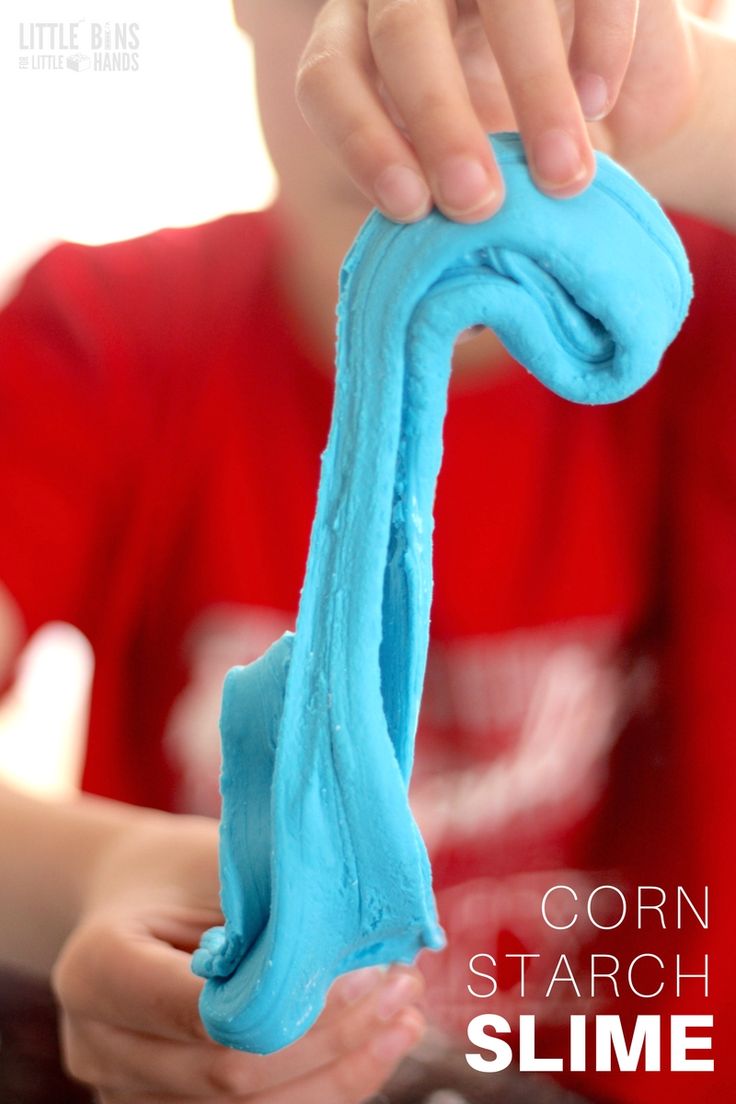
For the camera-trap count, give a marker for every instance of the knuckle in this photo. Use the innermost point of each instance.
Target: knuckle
(231, 1073)
(542, 89)
(441, 108)
(81, 959)
(341, 1039)
(83, 1051)
(60, 977)
(354, 140)
(316, 70)
(617, 20)
(66, 977)
(538, 82)
(393, 19)
(360, 145)
(354, 1078)
(419, 980)
(76, 1057)
(604, 35)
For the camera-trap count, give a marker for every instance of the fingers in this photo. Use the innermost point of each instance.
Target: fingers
(527, 42)
(350, 1079)
(413, 47)
(354, 1017)
(601, 48)
(407, 43)
(360, 1073)
(113, 1039)
(115, 1060)
(337, 94)
(361, 1004)
(421, 138)
(426, 139)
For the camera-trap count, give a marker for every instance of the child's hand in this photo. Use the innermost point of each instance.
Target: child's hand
(129, 1000)
(404, 91)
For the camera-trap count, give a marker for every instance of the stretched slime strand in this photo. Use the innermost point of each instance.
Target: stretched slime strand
(322, 866)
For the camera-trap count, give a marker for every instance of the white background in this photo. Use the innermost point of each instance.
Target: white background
(96, 156)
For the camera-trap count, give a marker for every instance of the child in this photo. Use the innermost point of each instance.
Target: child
(164, 404)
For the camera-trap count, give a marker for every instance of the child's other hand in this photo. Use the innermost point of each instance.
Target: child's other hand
(404, 91)
(130, 1023)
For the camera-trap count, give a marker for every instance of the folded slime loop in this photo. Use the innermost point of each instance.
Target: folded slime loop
(323, 869)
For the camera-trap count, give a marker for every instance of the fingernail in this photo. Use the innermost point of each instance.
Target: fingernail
(398, 992)
(592, 92)
(557, 160)
(463, 185)
(359, 983)
(390, 1045)
(402, 193)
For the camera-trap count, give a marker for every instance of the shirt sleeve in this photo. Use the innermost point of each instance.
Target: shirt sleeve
(54, 458)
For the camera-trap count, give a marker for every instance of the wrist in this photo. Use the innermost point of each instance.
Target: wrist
(50, 852)
(159, 858)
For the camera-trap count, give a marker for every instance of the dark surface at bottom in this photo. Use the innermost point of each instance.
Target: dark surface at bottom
(30, 1067)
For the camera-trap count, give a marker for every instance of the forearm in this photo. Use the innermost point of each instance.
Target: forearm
(49, 852)
(695, 170)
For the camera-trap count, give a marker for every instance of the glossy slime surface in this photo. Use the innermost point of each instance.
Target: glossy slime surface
(323, 869)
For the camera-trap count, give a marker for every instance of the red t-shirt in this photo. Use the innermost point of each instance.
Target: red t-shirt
(161, 422)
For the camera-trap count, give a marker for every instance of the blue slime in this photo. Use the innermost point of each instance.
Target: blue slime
(323, 868)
